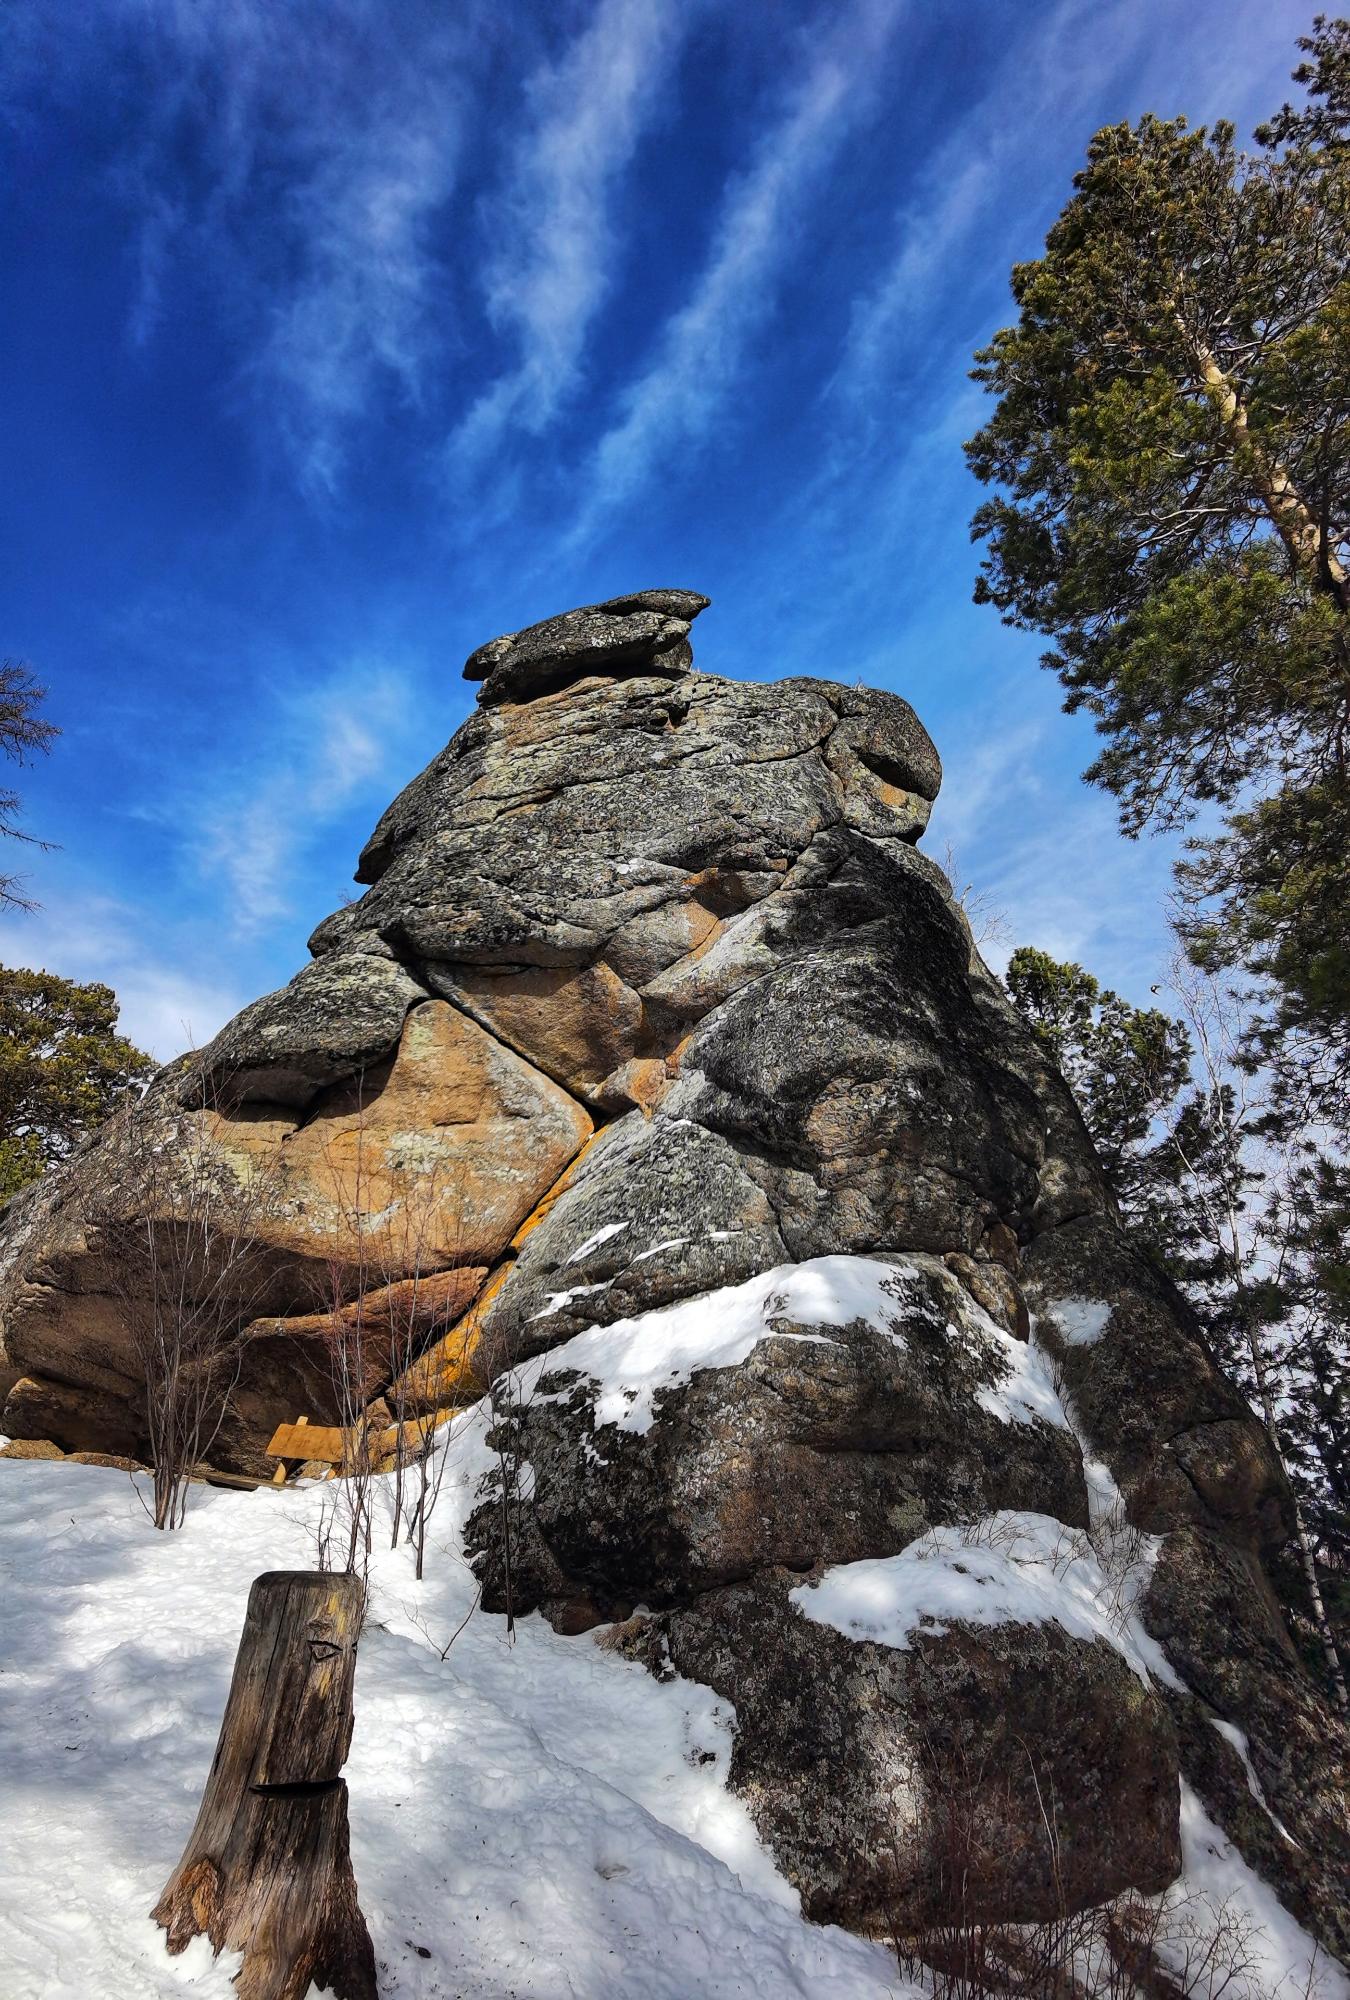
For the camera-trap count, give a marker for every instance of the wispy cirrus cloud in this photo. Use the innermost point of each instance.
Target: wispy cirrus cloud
(701, 350)
(1086, 62)
(327, 750)
(1041, 850)
(1104, 912)
(367, 309)
(333, 153)
(292, 171)
(551, 225)
(960, 195)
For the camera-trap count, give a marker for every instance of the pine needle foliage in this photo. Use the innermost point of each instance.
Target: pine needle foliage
(1170, 459)
(63, 1066)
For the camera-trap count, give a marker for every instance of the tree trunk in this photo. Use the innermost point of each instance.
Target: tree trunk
(1289, 513)
(267, 1870)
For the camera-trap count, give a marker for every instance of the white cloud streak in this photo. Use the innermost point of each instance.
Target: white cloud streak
(327, 749)
(702, 347)
(362, 312)
(1044, 78)
(325, 145)
(554, 245)
(1044, 852)
(1088, 62)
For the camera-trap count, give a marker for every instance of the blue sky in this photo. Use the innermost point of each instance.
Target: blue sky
(340, 337)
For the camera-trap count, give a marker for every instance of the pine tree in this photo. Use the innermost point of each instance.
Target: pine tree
(1255, 1235)
(62, 1067)
(23, 734)
(1171, 449)
(1126, 1067)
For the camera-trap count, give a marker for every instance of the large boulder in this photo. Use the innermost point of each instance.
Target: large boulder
(647, 629)
(654, 1085)
(425, 1163)
(999, 1774)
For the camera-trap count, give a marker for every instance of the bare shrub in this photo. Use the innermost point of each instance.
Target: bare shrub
(181, 1232)
(344, 1532)
(987, 920)
(381, 1293)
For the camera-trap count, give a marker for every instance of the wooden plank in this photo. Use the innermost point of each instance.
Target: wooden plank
(304, 1440)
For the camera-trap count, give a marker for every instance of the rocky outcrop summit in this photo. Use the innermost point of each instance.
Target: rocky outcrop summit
(826, 1374)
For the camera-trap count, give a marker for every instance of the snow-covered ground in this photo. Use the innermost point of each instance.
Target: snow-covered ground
(540, 1819)
(536, 1819)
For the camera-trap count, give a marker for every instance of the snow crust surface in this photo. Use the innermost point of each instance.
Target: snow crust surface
(1232, 1735)
(1008, 1568)
(1026, 1394)
(1285, 1963)
(543, 1819)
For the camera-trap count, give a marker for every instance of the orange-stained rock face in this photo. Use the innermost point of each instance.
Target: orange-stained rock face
(454, 1368)
(430, 1166)
(435, 1161)
(391, 1318)
(297, 1364)
(577, 1023)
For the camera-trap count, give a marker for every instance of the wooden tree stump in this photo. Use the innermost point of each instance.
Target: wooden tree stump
(267, 1870)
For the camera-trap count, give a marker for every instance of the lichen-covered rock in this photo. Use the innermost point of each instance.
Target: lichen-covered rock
(428, 1163)
(661, 1059)
(338, 1018)
(648, 628)
(1004, 1773)
(31, 1448)
(658, 1210)
(831, 1440)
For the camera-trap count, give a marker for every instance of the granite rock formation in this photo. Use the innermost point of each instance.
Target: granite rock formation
(729, 1157)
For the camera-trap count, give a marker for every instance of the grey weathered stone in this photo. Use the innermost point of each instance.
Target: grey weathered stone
(647, 628)
(886, 763)
(658, 1210)
(339, 1016)
(995, 1773)
(859, 1076)
(1179, 1439)
(548, 833)
(826, 1445)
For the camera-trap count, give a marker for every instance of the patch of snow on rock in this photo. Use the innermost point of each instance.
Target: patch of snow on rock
(1026, 1394)
(1081, 1322)
(593, 1241)
(558, 1300)
(1008, 1568)
(1233, 1736)
(634, 1360)
(659, 1249)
